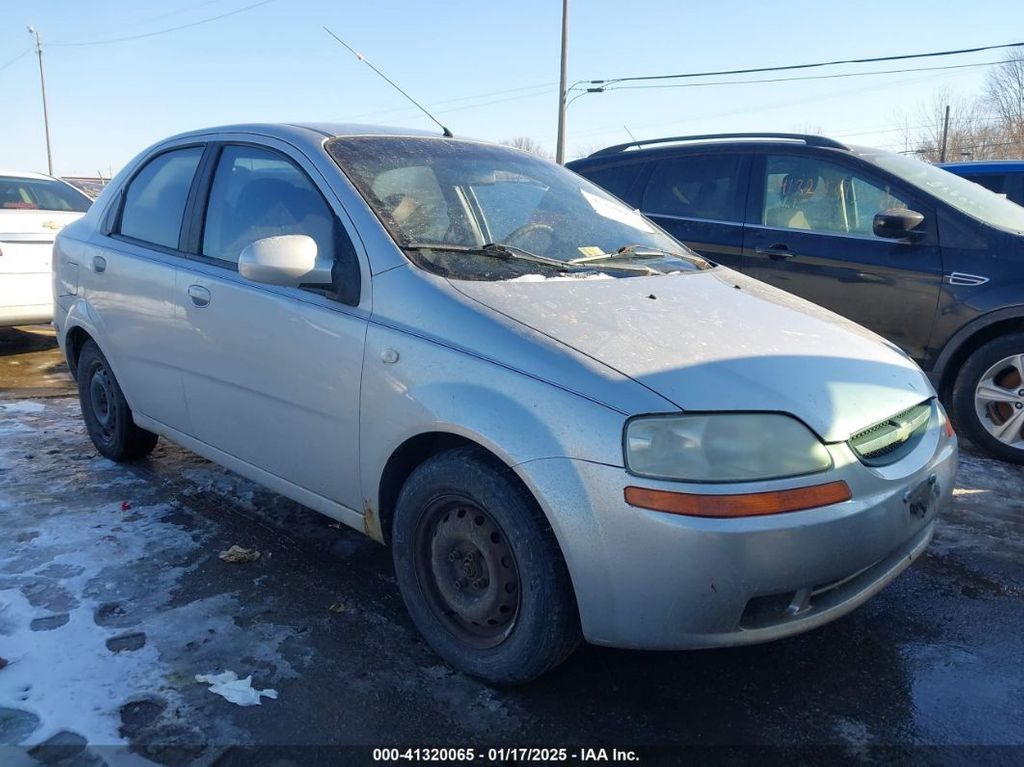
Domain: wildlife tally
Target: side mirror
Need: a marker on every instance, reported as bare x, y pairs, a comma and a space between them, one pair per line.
288, 260
896, 223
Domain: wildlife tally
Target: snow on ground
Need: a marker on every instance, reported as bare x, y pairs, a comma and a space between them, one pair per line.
82, 633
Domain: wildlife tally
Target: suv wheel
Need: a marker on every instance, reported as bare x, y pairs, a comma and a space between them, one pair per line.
988, 398
108, 419
480, 571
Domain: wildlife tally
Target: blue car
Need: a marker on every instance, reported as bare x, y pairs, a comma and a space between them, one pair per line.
1005, 177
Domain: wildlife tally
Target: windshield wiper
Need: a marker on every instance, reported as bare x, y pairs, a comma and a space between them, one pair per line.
641, 251
495, 249
509, 252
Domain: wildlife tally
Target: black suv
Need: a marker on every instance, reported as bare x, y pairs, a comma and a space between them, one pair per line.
929, 260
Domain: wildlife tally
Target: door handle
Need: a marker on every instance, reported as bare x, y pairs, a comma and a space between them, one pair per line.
99, 263
199, 295
776, 252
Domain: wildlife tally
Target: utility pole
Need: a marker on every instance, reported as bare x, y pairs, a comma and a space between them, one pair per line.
945, 135
42, 84
560, 144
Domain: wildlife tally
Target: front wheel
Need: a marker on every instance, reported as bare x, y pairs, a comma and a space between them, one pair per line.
108, 419
988, 398
480, 571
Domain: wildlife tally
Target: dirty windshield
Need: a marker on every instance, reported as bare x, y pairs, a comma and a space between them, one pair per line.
475, 211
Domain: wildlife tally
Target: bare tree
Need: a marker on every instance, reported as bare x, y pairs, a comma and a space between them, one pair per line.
972, 134
528, 144
1004, 97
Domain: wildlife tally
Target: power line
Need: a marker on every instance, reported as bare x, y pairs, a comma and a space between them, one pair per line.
207, 20
793, 79
754, 70
17, 58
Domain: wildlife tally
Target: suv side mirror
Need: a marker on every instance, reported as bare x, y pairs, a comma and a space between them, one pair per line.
896, 223
288, 260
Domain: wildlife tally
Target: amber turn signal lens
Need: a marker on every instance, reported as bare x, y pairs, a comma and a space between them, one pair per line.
948, 425
745, 505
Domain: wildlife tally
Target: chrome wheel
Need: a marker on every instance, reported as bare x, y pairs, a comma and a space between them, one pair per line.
999, 400
102, 399
469, 572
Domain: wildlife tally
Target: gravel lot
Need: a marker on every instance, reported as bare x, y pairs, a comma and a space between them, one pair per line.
113, 597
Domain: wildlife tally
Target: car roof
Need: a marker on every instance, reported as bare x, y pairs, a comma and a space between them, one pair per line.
986, 166
724, 141
306, 131
24, 174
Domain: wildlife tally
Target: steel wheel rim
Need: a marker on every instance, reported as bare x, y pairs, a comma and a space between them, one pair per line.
999, 400
101, 401
468, 571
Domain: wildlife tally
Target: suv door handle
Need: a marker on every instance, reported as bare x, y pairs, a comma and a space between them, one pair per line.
99, 264
776, 252
199, 295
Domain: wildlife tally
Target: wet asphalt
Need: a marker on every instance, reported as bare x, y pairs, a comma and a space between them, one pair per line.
929, 671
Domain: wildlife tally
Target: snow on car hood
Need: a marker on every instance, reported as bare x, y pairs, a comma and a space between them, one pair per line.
718, 340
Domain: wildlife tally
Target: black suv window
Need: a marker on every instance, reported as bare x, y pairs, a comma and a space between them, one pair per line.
701, 186
994, 182
822, 196
617, 179
258, 193
155, 198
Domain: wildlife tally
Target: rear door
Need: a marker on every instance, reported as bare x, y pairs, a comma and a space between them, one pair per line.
699, 199
811, 234
272, 374
129, 282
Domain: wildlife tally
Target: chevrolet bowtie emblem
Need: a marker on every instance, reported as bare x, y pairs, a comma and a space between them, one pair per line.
52, 224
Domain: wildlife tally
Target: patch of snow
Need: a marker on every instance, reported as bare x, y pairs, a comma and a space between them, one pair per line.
22, 406
562, 277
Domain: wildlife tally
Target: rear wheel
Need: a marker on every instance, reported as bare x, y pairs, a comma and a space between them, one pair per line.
108, 419
480, 571
988, 398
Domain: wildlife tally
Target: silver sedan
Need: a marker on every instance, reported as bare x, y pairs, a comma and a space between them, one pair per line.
564, 423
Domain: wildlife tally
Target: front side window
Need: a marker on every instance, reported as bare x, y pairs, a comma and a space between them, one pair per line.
822, 196
702, 186
476, 211
155, 199
40, 194
258, 193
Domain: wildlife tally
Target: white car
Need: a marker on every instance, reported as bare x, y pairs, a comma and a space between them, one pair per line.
33, 208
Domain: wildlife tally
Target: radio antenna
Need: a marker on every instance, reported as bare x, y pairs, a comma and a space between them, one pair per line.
389, 81
626, 128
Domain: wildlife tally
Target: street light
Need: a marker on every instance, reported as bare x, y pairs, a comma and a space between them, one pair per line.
42, 84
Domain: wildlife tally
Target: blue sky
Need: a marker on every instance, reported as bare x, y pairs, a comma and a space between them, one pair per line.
488, 69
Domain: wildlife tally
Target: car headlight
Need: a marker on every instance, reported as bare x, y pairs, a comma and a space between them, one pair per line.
722, 447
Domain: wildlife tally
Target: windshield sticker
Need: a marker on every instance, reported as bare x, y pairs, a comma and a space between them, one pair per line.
616, 212
590, 251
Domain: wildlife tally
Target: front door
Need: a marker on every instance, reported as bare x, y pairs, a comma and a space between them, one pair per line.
272, 374
812, 235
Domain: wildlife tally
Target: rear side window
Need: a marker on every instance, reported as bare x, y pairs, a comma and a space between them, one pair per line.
257, 193
617, 179
702, 186
155, 200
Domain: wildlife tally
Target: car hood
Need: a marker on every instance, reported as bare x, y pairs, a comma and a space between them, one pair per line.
717, 340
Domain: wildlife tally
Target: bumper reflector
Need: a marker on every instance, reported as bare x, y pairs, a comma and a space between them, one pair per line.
745, 505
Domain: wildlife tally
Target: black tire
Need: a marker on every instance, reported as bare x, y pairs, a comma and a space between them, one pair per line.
108, 419
965, 405
499, 634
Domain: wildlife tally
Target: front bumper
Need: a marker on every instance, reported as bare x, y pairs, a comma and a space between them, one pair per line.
647, 579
